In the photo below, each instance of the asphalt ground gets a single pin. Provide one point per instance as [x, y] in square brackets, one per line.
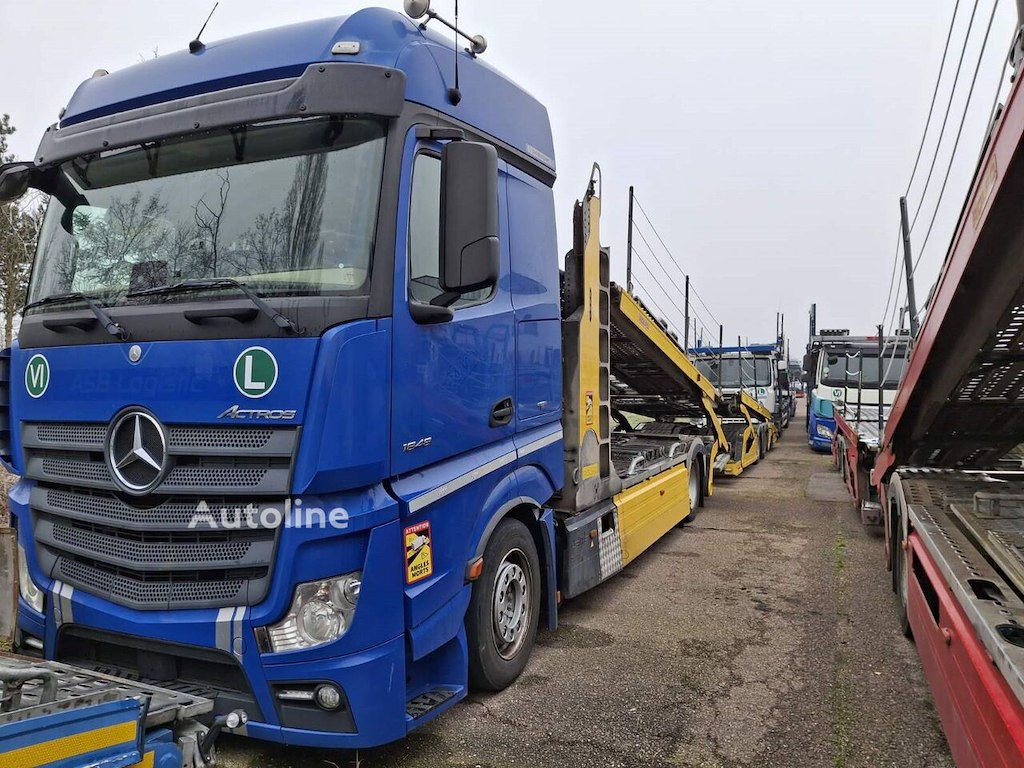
[764, 634]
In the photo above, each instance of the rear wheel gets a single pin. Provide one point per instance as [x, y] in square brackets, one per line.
[695, 488]
[900, 560]
[501, 625]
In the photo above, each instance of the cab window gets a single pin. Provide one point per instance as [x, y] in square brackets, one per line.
[424, 236]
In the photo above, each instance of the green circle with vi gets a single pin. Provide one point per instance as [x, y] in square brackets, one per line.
[37, 375]
[255, 372]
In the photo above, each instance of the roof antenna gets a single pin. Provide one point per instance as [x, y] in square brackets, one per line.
[454, 94]
[417, 9]
[197, 45]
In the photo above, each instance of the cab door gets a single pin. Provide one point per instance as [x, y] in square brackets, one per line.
[453, 381]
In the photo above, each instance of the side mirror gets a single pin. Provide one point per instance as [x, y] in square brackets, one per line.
[14, 180]
[810, 367]
[469, 217]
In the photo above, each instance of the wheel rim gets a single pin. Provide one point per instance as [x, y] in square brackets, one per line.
[900, 556]
[694, 487]
[511, 604]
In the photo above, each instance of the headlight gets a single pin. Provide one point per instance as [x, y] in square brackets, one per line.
[321, 611]
[824, 431]
[30, 593]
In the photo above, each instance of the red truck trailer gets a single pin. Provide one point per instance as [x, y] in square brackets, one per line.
[950, 475]
[860, 417]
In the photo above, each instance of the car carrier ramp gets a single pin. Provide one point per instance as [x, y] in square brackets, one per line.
[959, 405]
[750, 429]
[652, 375]
[618, 361]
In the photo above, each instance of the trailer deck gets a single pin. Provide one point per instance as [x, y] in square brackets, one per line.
[50, 686]
[57, 715]
[651, 376]
[954, 521]
[959, 405]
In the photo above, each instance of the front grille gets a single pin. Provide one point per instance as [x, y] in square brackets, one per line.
[175, 589]
[155, 548]
[62, 434]
[191, 474]
[211, 437]
[160, 550]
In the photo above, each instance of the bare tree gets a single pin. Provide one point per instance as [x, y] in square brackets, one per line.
[19, 230]
[6, 129]
[129, 230]
[304, 209]
[208, 222]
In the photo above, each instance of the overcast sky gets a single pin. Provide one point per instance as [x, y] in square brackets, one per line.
[768, 141]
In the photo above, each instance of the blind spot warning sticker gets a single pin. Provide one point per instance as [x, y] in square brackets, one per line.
[419, 562]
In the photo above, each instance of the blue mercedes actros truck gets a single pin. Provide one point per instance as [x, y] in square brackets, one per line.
[306, 417]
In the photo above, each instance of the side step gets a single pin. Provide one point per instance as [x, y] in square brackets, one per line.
[427, 702]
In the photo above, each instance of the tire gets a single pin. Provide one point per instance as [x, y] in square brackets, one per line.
[695, 488]
[900, 575]
[501, 633]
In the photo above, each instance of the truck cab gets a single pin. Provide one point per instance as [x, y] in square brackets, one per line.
[757, 369]
[848, 369]
[259, 257]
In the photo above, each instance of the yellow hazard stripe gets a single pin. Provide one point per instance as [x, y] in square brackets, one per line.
[70, 746]
[147, 761]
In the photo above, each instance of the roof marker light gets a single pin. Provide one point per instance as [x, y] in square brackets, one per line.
[345, 48]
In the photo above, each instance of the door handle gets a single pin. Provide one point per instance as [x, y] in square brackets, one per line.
[501, 413]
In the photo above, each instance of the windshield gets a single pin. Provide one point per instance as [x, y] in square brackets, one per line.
[756, 372]
[839, 369]
[287, 208]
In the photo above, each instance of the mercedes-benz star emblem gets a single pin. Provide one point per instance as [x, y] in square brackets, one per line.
[137, 452]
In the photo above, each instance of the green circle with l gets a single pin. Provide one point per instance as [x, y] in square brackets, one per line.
[37, 375]
[255, 372]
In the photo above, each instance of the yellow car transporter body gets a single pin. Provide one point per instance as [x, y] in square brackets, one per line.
[641, 424]
[751, 432]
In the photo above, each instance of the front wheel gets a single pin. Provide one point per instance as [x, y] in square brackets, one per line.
[501, 625]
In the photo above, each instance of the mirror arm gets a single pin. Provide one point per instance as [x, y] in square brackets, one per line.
[445, 299]
[429, 314]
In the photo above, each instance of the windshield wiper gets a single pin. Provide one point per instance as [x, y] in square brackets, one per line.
[109, 324]
[221, 283]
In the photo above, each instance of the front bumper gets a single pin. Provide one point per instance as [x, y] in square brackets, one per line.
[372, 683]
[815, 437]
[216, 651]
[820, 444]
